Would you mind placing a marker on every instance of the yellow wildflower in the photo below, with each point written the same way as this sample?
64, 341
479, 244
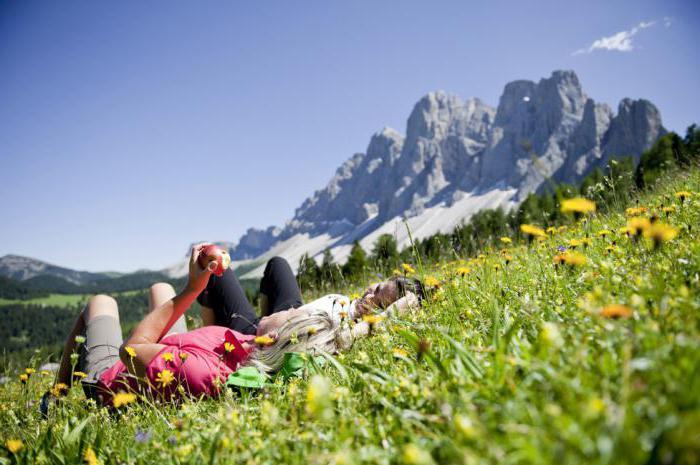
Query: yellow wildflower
183, 356
532, 231
616, 311
59, 389
506, 240
463, 271
604, 232
638, 225
123, 398
130, 350
398, 352
79, 375
669, 210
635, 211
165, 377
371, 319
14, 445
431, 281
24, 378
29, 371
407, 268
659, 233
167, 356
551, 230
264, 340
89, 457
229, 347
575, 243
570, 258
45, 373
355, 295
682, 195
577, 205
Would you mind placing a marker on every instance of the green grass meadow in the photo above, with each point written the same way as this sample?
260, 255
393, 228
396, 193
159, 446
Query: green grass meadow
519, 356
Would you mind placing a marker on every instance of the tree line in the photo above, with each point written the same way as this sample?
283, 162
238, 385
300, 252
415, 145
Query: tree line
610, 187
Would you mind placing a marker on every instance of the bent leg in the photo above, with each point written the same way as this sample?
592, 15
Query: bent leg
160, 293
226, 298
103, 337
279, 285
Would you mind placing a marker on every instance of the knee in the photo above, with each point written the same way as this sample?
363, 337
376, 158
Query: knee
276, 262
162, 288
102, 304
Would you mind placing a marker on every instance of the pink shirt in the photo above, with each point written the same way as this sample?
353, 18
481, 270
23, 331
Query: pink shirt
197, 360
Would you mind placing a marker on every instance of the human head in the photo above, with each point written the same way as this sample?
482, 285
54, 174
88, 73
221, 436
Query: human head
385, 293
309, 332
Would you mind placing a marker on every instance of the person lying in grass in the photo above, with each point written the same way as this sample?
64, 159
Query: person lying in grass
162, 359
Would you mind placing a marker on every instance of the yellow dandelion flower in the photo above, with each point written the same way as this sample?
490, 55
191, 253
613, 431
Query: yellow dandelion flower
577, 205
183, 356
570, 258
29, 371
396, 272
229, 347
45, 373
24, 378
165, 377
532, 231
635, 211
89, 457
168, 356
371, 319
59, 389
343, 314
343, 302
604, 232
407, 268
431, 281
508, 258
682, 195
79, 375
616, 311
659, 233
264, 340
130, 350
669, 210
312, 330
123, 398
14, 445
638, 225
551, 230
463, 271
398, 352
575, 243
355, 295
506, 240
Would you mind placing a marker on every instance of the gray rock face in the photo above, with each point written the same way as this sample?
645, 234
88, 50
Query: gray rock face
254, 242
544, 130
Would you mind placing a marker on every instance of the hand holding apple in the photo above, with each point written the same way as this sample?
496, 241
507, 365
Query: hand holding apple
214, 258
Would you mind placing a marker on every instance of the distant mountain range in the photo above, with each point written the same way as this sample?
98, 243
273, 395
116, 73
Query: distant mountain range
456, 158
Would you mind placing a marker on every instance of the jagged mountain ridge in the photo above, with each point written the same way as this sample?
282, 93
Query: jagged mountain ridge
458, 157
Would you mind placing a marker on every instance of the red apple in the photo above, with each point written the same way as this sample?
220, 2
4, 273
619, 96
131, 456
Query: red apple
214, 254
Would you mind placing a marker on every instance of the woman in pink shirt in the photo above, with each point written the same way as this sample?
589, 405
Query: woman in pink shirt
165, 360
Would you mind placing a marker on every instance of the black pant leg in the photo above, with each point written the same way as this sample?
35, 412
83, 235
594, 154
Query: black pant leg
226, 297
280, 286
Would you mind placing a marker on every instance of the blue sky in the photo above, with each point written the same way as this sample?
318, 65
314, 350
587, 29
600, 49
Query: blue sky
130, 129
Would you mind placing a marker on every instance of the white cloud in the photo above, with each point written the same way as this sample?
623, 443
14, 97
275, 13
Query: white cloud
620, 41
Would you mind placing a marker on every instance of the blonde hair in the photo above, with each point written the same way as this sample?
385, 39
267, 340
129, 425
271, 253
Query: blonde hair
311, 332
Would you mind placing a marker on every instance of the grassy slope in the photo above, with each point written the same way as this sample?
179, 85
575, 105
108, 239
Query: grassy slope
58, 300
521, 368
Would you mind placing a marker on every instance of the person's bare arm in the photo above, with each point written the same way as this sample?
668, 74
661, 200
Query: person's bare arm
144, 339
361, 329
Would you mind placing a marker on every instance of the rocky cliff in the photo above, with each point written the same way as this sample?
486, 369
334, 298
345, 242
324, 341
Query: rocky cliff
460, 156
